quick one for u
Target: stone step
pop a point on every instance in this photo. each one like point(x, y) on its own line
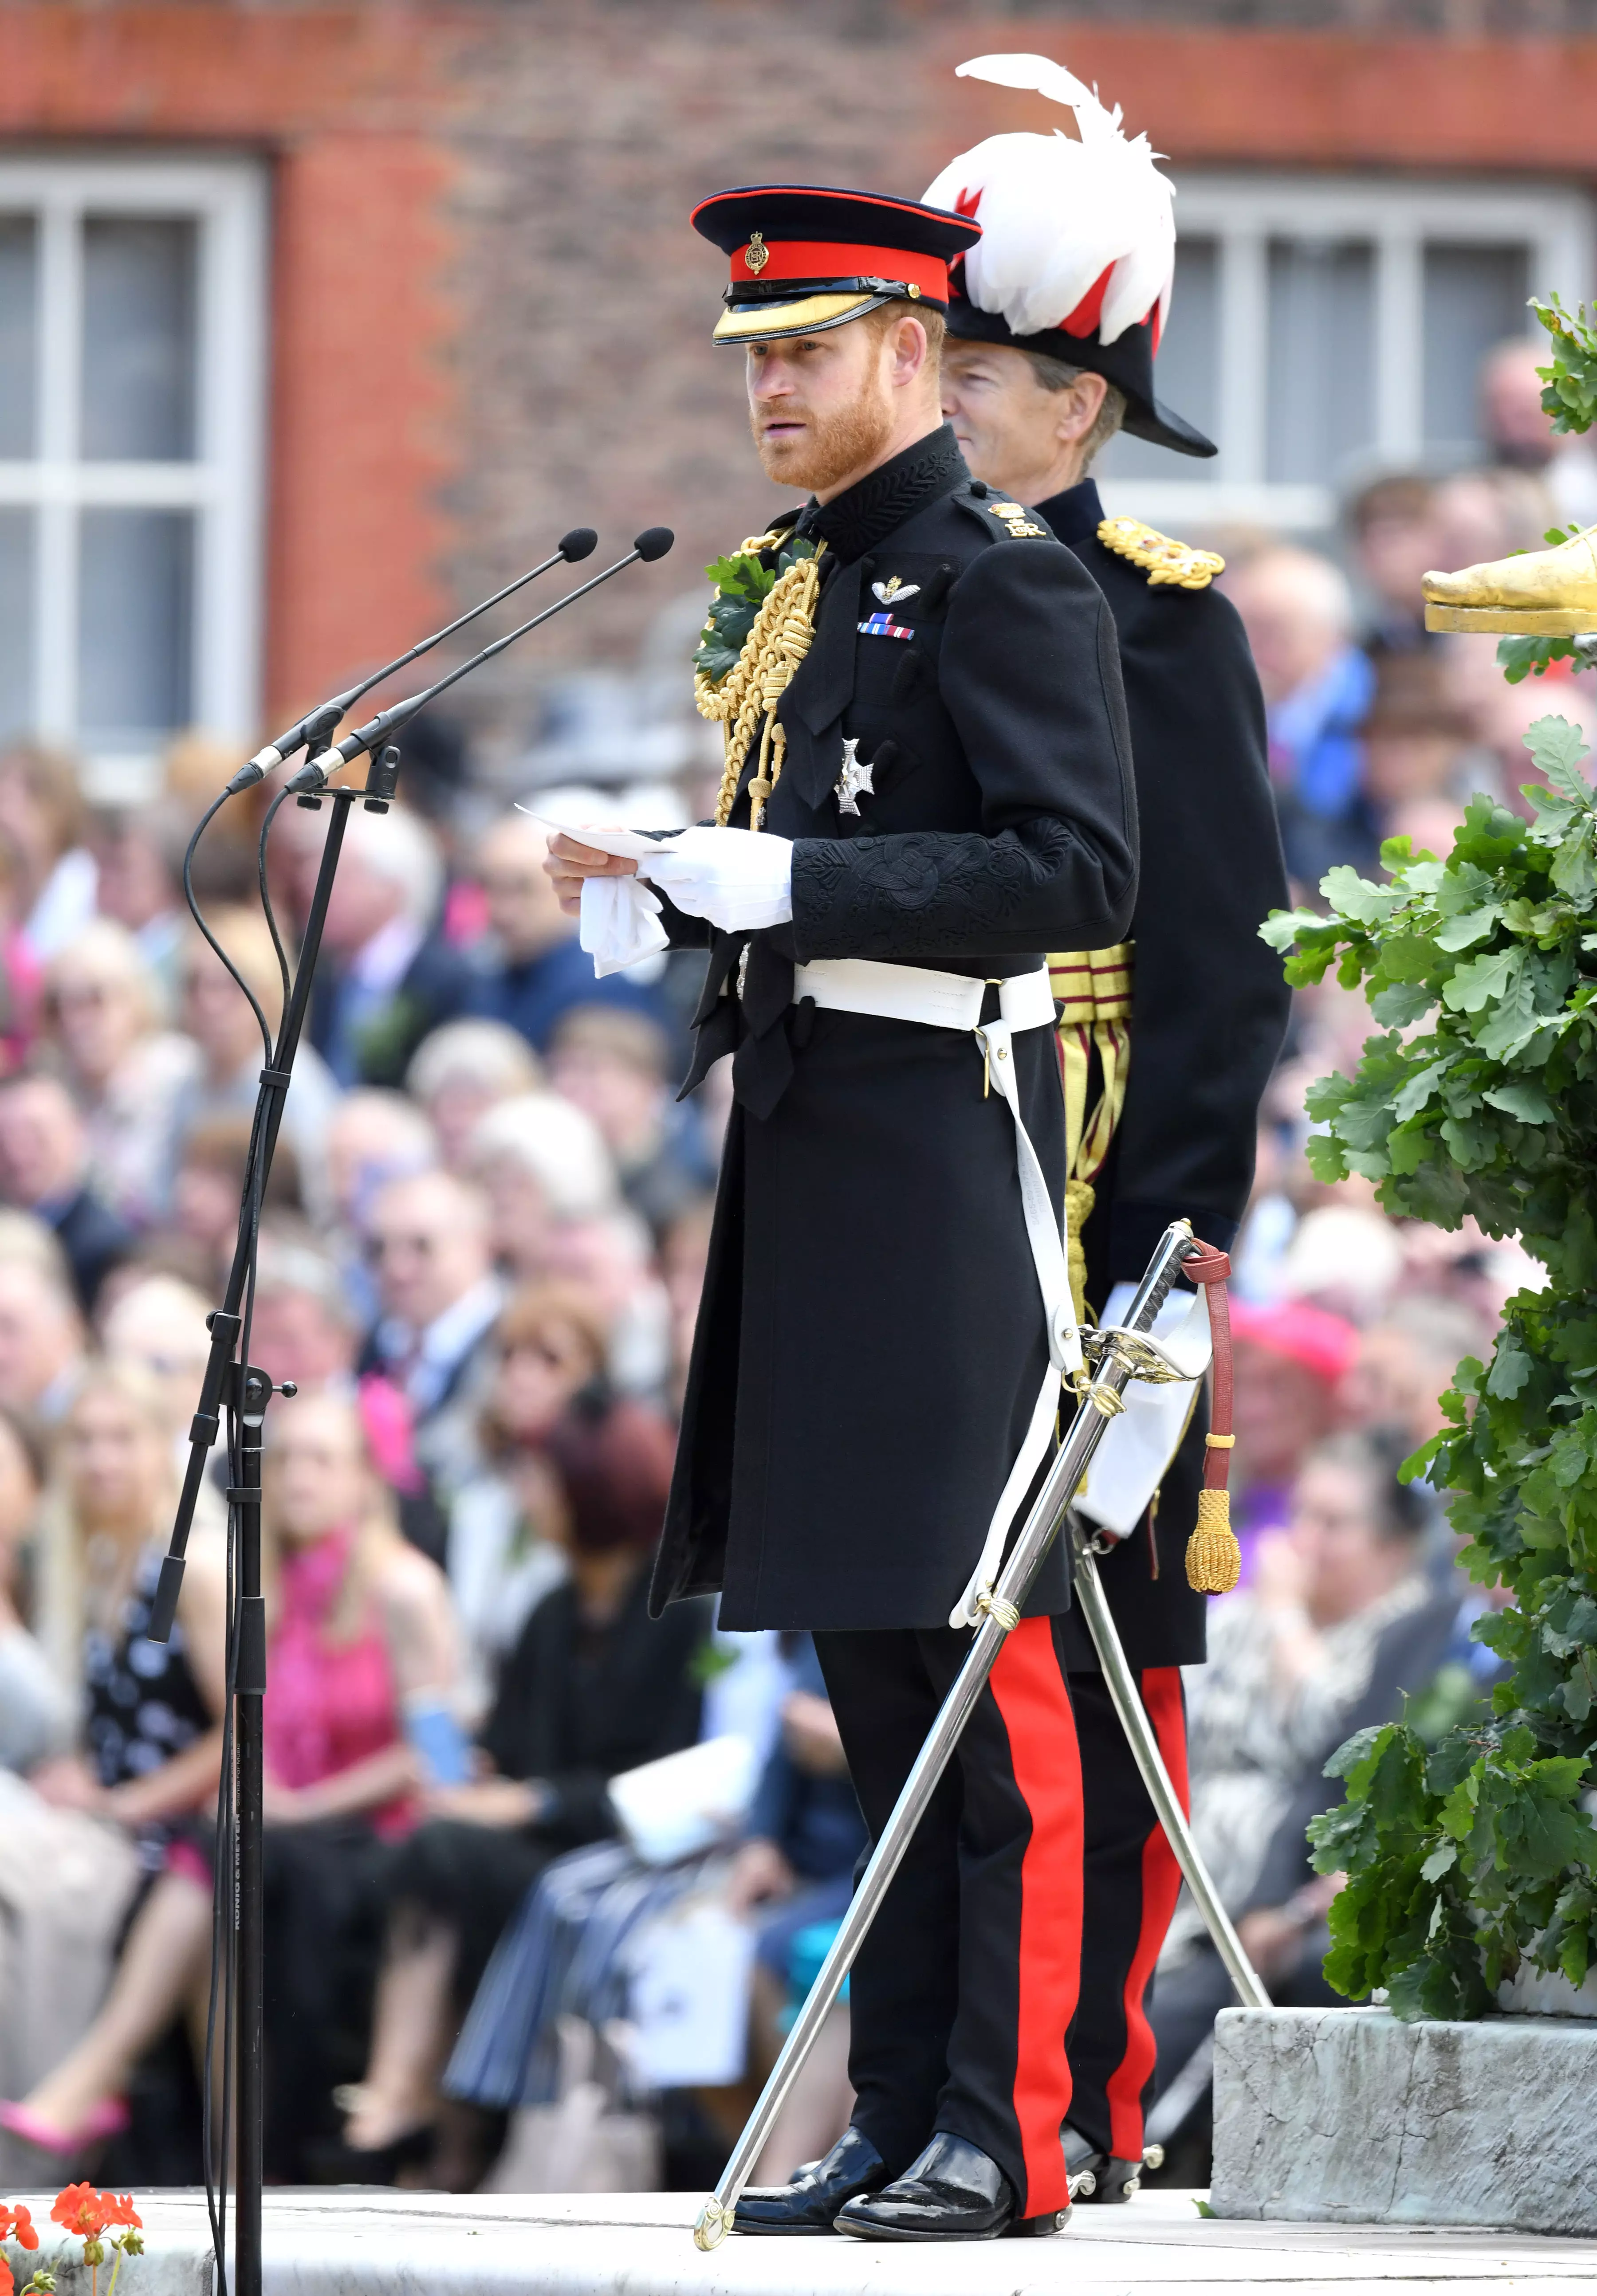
point(1345, 2115)
point(357, 2241)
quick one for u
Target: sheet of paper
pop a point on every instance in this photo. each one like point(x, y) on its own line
point(626, 844)
point(690, 1970)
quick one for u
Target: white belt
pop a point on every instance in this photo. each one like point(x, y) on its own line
point(949, 1000)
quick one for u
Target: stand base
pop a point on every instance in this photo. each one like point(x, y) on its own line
point(1514, 621)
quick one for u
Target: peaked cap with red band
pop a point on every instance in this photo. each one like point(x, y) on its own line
point(805, 258)
point(1077, 254)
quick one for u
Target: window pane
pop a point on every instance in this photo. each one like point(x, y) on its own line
point(19, 334)
point(136, 593)
point(16, 620)
point(139, 339)
point(1322, 371)
point(1474, 296)
point(1187, 369)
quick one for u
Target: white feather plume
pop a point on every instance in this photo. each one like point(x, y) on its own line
point(1056, 214)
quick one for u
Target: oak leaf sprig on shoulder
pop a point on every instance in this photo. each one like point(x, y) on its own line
point(743, 579)
point(1466, 1848)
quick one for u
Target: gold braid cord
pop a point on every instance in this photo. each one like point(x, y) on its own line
point(1093, 990)
point(746, 697)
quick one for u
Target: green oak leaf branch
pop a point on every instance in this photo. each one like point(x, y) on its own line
point(1468, 1849)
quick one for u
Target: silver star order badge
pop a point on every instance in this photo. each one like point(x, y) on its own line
point(855, 781)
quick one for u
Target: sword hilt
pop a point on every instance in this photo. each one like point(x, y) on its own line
point(1174, 1246)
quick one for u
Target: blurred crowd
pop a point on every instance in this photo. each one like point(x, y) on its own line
point(545, 1876)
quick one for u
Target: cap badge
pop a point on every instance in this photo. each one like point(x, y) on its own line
point(855, 781)
point(889, 592)
point(756, 255)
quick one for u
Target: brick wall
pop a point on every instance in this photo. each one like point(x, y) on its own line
point(490, 318)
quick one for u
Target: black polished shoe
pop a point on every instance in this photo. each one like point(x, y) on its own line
point(810, 2203)
point(1099, 2176)
point(953, 2192)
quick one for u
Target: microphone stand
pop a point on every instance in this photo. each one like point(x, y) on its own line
point(241, 1391)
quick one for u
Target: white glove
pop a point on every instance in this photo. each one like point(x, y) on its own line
point(620, 922)
point(739, 881)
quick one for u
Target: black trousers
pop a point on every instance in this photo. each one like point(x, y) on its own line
point(964, 1991)
point(1131, 1882)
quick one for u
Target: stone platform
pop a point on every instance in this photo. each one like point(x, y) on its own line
point(1346, 2116)
point(358, 2241)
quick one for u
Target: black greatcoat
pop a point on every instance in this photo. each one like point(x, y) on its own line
point(1209, 1004)
point(870, 1340)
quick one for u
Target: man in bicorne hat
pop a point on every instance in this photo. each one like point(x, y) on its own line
point(927, 786)
point(1166, 1045)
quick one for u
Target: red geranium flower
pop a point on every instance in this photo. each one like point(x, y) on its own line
point(121, 2210)
point(21, 2227)
point(6, 2283)
point(82, 2209)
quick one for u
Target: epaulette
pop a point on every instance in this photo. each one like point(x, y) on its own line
point(1162, 558)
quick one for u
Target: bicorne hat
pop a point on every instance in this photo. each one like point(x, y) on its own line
point(805, 258)
point(1077, 253)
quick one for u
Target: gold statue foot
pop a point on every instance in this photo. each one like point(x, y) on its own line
point(1536, 594)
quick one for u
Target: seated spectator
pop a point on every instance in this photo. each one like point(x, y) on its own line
point(387, 977)
point(1520, 434)
point(439, 1298)
point(506, 1546)
point(1297, 610)
point(45, 1170)
point(1406, 1361)
point(684, 1255)
point(534, 970)
point(21, 975)
point(796, 1866)
point(163, 1324)
point(593, 1687)
point(224, 1078)
point(375, 1137)
point(610, 1257)
point(1290, 1360)
point(540, 1160)
point(100, 1020)
point(41, 1337)
point(461, 1071)
point(613, 1064)
point(44, 820)
point(1397, 538)
point(1344, 1257)
point(138, 854)
point(1416, 740)
point(358, 1623)
point(207, 1188)
point(37, 1715)
point(152, 1740)
point(1341, 1620)
point(1491, 513)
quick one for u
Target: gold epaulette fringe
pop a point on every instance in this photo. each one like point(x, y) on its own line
point(1164, 560)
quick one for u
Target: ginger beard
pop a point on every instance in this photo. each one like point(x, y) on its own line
point(833, 442)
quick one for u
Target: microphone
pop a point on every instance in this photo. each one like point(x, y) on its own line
point(652, 544)
point(316, 725)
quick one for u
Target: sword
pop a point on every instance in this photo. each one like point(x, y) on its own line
point(1123, 1355)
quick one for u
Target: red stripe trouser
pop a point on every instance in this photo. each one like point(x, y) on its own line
point(1131, 1883)
point(965, 1988)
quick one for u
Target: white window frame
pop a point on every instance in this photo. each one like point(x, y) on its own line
point(223, 484)
point(1399, 216)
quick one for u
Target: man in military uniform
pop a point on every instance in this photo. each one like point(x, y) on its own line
point(927, 785)
point(1051, 351)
